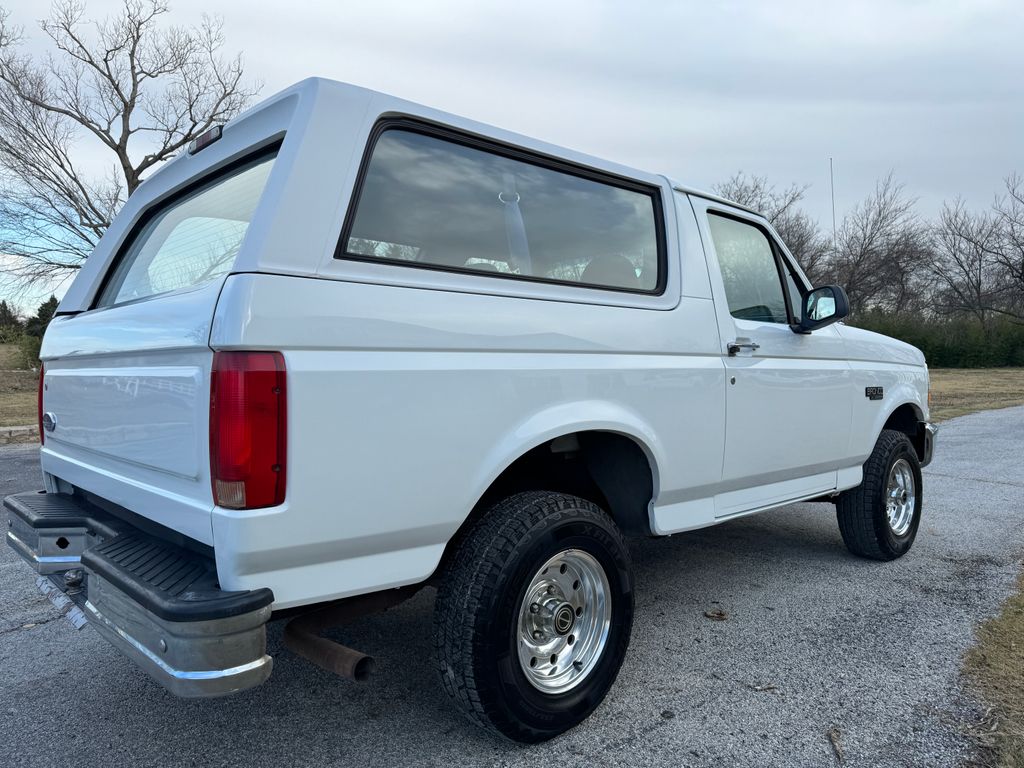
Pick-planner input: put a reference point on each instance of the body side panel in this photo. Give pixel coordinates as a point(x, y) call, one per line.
point(399, 421)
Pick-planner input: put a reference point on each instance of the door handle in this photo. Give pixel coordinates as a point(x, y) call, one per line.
point(734, 347)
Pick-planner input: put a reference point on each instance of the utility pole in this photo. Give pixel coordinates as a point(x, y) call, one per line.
point(832, 186)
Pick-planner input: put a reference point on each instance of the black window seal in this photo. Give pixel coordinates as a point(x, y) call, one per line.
point(159, 205)
point(786, 268)
point(777, 255)
point(513, 152)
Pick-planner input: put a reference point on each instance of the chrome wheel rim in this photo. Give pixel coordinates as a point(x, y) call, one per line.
point(900, 497)
point(564, 621)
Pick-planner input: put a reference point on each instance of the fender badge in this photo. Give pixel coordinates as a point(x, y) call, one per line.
point(873, 393)
point(49, 421)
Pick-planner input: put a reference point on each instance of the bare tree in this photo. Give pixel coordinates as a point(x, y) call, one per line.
point(979, 259)
point(965, 264)
point(891, 262)
point(757, 193)
point(1009, 213)
point(881, 251)
point(138, 89)
point(798, 231)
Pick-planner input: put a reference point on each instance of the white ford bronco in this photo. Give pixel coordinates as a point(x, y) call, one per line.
point(347, 346)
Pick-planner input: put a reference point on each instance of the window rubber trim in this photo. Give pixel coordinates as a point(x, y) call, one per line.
point(513, 152)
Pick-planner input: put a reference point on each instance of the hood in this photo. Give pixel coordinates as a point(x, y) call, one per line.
point(876, 347)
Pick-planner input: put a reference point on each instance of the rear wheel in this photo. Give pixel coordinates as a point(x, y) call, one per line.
point(879, 518)
point(534, 614)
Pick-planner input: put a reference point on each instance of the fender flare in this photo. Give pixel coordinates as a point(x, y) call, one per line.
point(560, 420)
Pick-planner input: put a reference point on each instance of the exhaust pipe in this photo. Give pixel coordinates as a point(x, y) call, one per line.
point(303, 635)
point(332, 656)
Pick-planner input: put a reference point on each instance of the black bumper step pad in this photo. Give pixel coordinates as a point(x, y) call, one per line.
point(57, 510)
point(172, 582)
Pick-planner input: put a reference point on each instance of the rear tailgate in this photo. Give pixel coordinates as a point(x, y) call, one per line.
point(127, 382)
point(128, 390)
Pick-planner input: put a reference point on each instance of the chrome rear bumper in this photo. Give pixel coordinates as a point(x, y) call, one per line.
point(156, 601)
point(205, 658)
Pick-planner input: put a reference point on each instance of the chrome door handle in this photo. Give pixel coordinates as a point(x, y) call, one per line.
point(734, 347)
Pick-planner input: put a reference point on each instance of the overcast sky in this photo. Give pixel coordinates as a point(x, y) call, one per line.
point(931, 89)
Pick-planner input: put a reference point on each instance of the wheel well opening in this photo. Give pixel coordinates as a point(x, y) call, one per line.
point(907, 419)
point(607, 468)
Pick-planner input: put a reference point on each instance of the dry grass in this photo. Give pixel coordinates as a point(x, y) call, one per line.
point(10, 357)
point(996, 668)
point(958, 391)
point(18, 398)
point(17, 390)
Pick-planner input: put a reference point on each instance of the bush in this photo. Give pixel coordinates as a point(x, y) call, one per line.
point(29, 346)
point(10, 334)
point(955, 343)
point(30, 338)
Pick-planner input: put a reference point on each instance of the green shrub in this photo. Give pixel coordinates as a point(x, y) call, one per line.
point(29, 348)
point(10, 334)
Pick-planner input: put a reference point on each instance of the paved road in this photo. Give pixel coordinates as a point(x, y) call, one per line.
point(871, 649)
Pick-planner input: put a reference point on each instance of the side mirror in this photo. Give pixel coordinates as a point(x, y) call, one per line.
point(822, 306)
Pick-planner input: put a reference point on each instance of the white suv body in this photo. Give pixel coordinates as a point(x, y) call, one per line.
point(417, 379)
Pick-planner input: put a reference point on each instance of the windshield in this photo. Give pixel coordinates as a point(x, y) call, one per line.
point(190, 241)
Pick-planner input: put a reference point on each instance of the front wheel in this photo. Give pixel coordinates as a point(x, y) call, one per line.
point(534, 614)
point(879, 518)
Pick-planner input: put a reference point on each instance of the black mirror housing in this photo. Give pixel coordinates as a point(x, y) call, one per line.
point(822, 306)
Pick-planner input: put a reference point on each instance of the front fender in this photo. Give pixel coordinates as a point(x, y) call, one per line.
point(901, 387)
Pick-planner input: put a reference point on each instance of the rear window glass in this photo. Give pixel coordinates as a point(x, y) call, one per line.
point(190, 241)
point(430, 202)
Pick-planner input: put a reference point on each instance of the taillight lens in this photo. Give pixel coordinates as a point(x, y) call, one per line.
point(248, 429)
point(39, 405)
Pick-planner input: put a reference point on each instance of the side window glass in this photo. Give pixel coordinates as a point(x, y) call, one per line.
point(429, 201)
point(753, 286)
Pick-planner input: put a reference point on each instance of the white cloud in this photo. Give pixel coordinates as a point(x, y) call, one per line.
point(930, 88)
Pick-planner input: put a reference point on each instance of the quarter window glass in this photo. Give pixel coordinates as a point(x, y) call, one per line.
point(427, 201)
point(753, 286)
point(190, 241)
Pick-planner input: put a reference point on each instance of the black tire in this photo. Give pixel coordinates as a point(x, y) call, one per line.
point(476, 618)
point(863, 519)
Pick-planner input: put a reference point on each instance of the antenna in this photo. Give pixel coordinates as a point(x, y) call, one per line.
point(832, 185)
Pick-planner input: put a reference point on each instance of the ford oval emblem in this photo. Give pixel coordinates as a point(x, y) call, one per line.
point(49, 421)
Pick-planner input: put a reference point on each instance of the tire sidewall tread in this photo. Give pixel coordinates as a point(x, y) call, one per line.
point(863, 522)
point(476, 614)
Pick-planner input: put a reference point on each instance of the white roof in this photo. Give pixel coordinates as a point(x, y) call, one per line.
point(322, 127)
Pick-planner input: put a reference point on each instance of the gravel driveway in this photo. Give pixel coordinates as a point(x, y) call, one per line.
point(814, 640)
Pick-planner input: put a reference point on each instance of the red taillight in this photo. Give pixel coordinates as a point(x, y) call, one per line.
point(39, 405)
point(248, 429)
